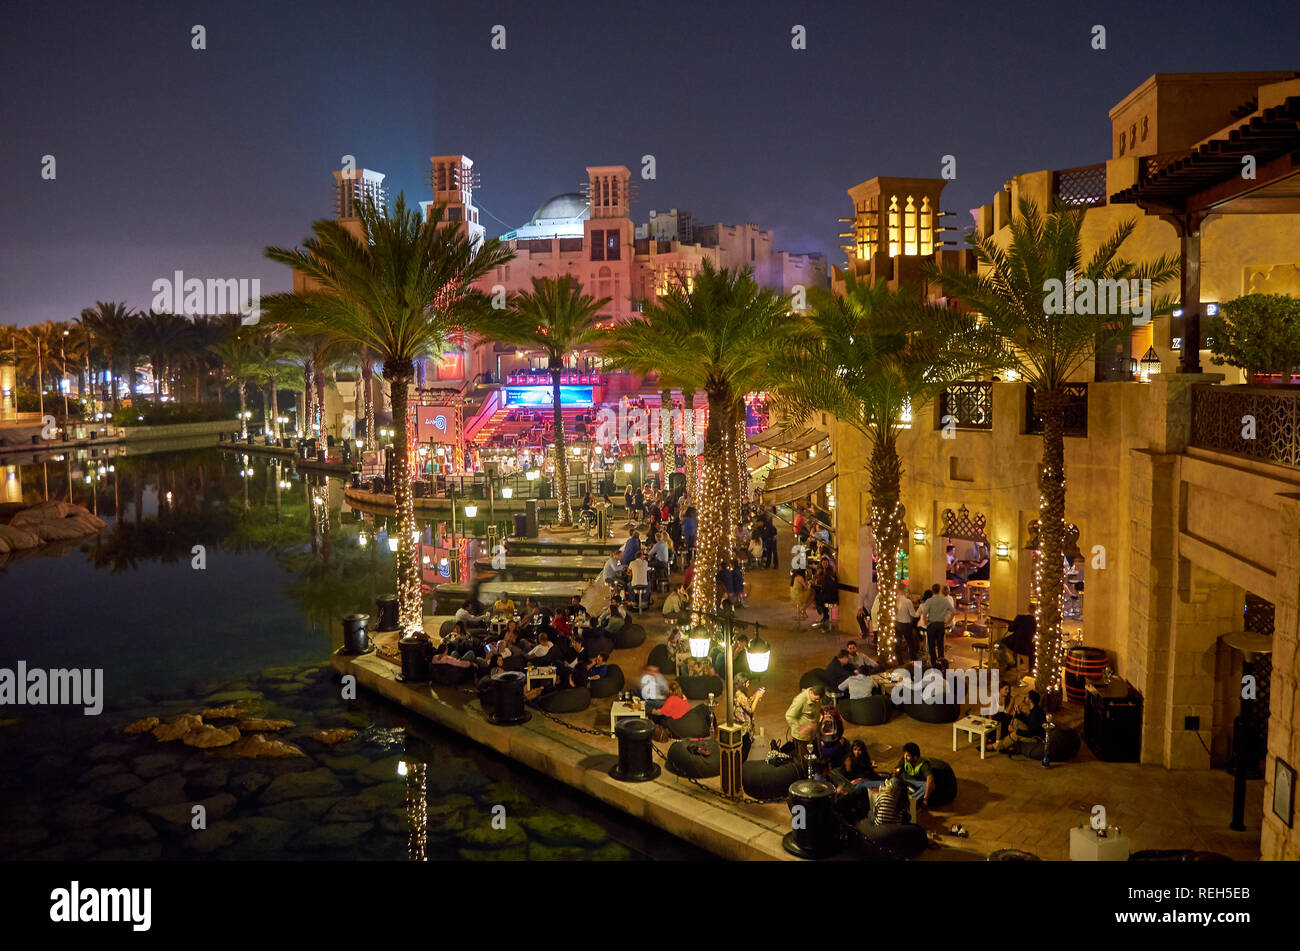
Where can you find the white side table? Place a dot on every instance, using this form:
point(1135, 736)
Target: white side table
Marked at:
point(1085, 846)
point(974, 726)
point(539, 673)
point(622, 711)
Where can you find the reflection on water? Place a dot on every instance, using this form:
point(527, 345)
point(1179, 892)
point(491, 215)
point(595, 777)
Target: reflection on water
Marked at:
point(219, 581)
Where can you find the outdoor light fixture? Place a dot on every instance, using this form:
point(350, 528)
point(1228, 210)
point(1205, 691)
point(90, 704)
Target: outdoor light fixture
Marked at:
point(1150, 363)
point(654, 467)
point(392, 544)
point(758, 654)
point(362, 539)
point(599, 450)
point(1002, 550)
point(401, 768)
point(532, 475)
point(700, 643)
point(627, 467)
point(507, 492)
point(425, 559)
point(918, 535)
point(471, 511)
point(577, 450)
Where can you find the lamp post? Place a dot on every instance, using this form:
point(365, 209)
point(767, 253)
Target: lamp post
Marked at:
point(1244, 757)
point(731, 734)
point(63, 379)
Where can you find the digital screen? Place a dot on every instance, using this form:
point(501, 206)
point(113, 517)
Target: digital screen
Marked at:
point(436, 424)
point(541, 396)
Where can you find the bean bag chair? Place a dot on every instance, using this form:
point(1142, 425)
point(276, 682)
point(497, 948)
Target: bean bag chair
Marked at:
point(598, 644)
point(931, 712)
point(812, 678)
point(607, 685)
point(629, 636)
point(1013, 855)
point(446, 627)
point(682, 762)
point(894, 840)
point(945, 783)
point(691, 724)
point(699, 688)
point(1063, 746)
point(866, 711)
point(662, 658)
point(447, 675)
point(564, 700)
point(516, 661)
point(1176, 855)
point(765, 781)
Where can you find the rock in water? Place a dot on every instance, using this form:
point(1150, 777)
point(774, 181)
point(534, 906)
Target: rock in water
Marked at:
point(261, 725)
point(313, 782)
point(141, 726)
point(257, 746)
point(177, 727)
point(224, 713)
point(333, 737)
point(207, 737)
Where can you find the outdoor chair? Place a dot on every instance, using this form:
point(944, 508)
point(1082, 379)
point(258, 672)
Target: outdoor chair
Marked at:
point(894, 840)
point(565, 700)
point(682, 760)
point(692, 724)
point(699, 688)
point(608, 685)
point(866, 711)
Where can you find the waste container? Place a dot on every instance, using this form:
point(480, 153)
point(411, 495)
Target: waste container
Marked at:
point(530, 512)
point(521, 525)
point(386, 612)
point(355, 638)
point(813, 827)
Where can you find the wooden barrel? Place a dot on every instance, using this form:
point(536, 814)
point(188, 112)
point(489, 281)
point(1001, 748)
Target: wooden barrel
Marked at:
point(1082, 664)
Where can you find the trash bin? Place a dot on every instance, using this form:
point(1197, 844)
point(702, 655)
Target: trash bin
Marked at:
point(355, 638)
point(530, 512)
point(386, 612)
point(812, 833)
point(506, 695)
point(521, 525)
point(635, 755)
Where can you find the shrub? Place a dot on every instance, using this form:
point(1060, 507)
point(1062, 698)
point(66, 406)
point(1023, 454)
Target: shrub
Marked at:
point(1259, 333)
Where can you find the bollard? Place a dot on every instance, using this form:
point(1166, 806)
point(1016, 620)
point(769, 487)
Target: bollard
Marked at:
point(386, 611)
point(417, 658)
point(814, 837)
point(355, 638)
point(507, 695)
point(635, 754)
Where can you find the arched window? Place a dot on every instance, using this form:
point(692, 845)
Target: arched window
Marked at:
point(893, 226)
point(927, 227)
point(909, 227)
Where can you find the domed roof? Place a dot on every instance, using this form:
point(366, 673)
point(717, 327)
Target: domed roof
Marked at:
point(568, 205)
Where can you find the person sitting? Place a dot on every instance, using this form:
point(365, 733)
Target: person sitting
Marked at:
point(535, 616)
point(857, 659)
point(858, 685)
point(891, 804)
point(613, 570)
point(1002, 714)
point(838, 669)
point(560, 623)
point(659, 555)
point(444, 655)
point(654, 688)
point(1026, 724)
point(614, 617)
point(915, 770)
point(472, 613)
point(631, 548)
point(504, 605)
point(675, 705)
point(542, 650)
point(497, 667)
point(640, 572)
point(599, 667)
point(678, 603)
point(576, 676)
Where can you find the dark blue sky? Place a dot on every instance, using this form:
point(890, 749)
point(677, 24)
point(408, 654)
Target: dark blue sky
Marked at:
point(169, 159)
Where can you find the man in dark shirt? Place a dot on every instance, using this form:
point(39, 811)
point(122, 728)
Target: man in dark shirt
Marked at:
point(838, 670)
point(1025, 724)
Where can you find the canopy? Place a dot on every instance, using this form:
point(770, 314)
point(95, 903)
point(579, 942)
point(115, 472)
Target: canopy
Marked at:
point(789, 483)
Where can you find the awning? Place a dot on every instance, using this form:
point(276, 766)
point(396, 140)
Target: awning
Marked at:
point(756, 460)
point(790, 483)
point(788, 438)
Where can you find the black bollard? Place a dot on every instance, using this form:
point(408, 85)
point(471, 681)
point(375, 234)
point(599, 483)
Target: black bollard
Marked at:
point(355, 638)
point(813, 832)
point(386, 611)
point(635, 754)
point(417, 658)
point(507, 693)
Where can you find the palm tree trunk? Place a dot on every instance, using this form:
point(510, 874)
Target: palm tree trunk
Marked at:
point(742, 471)
point(157, 362)
point(368, 382)
point(275, 409)
point(40, 382)
point(666, 455)
point(563, 504)
point(308, 411)
point(890, 531)
point(713, 538)
point(410, 602)
point(1050, 577)
point(243, 419)
point(319, 421)
point(688, 437)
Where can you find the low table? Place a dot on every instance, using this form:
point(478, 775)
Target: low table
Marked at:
point(539, 673)
point(1086, 847)
point(973, 726)
point(623, 711)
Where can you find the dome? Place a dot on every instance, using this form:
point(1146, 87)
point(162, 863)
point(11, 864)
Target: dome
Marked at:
point(563, 207)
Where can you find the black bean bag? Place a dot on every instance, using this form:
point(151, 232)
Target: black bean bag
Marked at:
point(765, 781)
point(517, 660)
point(446, 627)
point(945, 783)
point(1176, 855)
point(1013, 855)
point(1062, 746)
point(931, 712)
point(565, 700)
point(682, 762)
point(598, 644)
point(894, 840)
point(812, 678)
point(691, 724)
point(629, 636)
point(699, 688)
point(447, 675)
point(662, 658)
point(866, 711)
point(607, 685)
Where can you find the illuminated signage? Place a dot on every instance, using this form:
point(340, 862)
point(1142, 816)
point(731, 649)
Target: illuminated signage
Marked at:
point(435, 424)
point(541, 396)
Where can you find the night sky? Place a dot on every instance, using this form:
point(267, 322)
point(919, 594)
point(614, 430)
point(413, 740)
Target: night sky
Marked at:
point(174, 159)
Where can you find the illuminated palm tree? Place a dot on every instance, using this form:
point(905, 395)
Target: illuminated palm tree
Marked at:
point(1049, 349)
point(241, 362)
point(868, 357)
point(400, 289)
point(557, 319)
point(110, 326)
point(719, 333)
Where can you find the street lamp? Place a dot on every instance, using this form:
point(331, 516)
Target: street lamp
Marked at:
point(471, 511)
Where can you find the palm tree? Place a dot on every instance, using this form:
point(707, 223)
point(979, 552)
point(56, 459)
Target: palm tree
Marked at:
point(164, 337)
point(32, 347)
point(241, 361)
point(399, 289)
point(109, 325)
point(868, 357)
point(1049, 349)
point(719, 333)
point(557, 319)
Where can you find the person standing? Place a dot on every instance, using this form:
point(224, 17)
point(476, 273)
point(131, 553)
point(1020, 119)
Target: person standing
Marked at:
point(905, 624)
point(745, 707)
point(938, 610)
